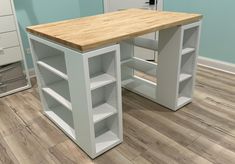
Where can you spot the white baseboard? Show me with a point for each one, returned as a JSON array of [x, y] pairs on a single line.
[[217, 65]]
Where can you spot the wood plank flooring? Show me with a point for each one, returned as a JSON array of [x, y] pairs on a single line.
[[202, 132]]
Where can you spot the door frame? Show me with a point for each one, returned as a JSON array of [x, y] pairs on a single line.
[[106, 5]]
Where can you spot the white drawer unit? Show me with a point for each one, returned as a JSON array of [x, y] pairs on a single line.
[[10, 55], [5, 7], [7, 23], [11, 50], [9, 39]]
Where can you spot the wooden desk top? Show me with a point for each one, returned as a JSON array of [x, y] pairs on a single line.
[[96, 31]]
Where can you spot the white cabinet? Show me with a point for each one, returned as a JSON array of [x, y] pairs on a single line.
[[11, 50], [5, 7], [81, 93]]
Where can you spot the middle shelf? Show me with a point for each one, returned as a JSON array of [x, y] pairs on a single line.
[[60, 92], [101, 80]]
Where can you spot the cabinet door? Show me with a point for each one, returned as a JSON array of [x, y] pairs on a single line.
[[5, 7]]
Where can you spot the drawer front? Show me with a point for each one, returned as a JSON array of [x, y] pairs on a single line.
[[10, 72], [7, 23], [5, 7], [9, 39], [10, 55]]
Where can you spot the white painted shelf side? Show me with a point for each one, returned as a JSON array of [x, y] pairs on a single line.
[[56, 114], [101, 80], [106, 140], [146, 43], [102, 112], [184, 76], [141, 65], [60, 92], [187, 50], [183, 100], [55, 64]]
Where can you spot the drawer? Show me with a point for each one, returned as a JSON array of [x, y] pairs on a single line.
[[11, 85], [5, 7], [9, 39], [10, 55], [7, 23], [10, 72]]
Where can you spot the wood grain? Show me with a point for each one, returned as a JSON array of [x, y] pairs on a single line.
[[97, 31], [200, 133]]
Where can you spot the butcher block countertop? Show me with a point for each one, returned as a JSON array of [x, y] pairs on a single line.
[[97, 31]]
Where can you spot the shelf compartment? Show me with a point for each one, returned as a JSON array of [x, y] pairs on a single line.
[[146, 43], [102, 65], [55, 64], [141, 86], [190, 37], [101, 80], [184, 76], [185, 92], [60, 92], [106, 133], [141, 65], [63, 118], [105, 141], [187, 51], [183, 101], [102, 112]]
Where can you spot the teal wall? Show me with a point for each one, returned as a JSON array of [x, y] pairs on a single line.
[[30, 12], [218, 29], [91, 7], [217, 39]]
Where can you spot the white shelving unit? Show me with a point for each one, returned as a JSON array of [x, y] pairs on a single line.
[[174, 70], [81, 93]]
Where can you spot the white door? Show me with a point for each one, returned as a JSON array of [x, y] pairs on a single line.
[[114, 5]]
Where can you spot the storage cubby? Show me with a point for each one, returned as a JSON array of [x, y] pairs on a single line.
[[55, 86], [190, 37], [185, 92], [106, 133], [60, 115], [102, 70], [104, 102], [51, 59]]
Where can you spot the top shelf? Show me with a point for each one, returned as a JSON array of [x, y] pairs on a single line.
[[55, 64], [101, 80]]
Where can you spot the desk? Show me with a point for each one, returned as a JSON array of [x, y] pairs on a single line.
[[81, 65]]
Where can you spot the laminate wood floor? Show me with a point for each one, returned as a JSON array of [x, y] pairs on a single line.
[[201, 132]]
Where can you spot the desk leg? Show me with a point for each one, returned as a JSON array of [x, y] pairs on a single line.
[[178, 51]]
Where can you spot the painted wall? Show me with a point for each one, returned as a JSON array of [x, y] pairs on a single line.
[[217, 41], [31, 12], [218, 35], [91, 7]]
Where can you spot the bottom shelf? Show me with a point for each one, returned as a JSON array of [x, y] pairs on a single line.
[[141, 86], [63, 118], [183, 101], [105, 141]]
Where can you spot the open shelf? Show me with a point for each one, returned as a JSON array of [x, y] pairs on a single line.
[[187, 51], [102, 112], [63, 118], [101, 80], [184, 76], [183, 101], [105, 141], [141, 86], [60, 92], [146, 43], [55, 64], [141, 65]]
